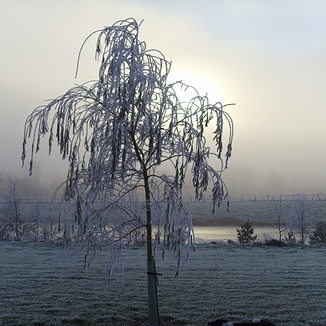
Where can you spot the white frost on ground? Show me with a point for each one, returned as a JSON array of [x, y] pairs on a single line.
[[43, 285]]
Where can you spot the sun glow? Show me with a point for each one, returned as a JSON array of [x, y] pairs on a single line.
[[205, 85]]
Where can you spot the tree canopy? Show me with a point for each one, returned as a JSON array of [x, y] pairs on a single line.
[[128, 133]]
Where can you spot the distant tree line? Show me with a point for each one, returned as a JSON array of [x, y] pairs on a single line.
[[278, 197], [46, 221], [297, 231]]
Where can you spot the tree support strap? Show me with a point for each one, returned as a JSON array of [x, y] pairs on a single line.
[[155, 273]]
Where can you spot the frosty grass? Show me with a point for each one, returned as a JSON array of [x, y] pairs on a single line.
[[42, 284]]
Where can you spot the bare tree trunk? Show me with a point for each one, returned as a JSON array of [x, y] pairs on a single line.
[[153, 312], [37, 220], [302, 235], [59, 226], [16, 217], [279, 220]]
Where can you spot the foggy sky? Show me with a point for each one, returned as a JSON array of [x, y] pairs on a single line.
[[268, 57]]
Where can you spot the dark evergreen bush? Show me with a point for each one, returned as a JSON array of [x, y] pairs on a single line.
[[274, 242], [319, 234], [245, 233]]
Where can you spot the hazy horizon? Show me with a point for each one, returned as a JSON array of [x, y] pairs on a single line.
[[267, 57]]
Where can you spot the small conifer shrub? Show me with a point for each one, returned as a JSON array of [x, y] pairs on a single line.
[[246, 233]]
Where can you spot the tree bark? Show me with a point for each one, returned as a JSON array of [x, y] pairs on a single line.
[[153, 312]]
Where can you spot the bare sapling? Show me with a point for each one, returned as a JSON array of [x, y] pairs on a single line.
[[279, 213], [300, 219], [37, 221], [11, 221]]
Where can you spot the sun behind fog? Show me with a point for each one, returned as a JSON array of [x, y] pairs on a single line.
[[205, 85]]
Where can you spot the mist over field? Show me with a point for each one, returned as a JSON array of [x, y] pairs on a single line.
[[162, 204], [267, 58]]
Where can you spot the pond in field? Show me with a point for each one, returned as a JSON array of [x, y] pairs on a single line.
[[210, 233]]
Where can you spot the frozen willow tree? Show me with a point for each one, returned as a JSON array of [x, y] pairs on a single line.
[[121, 134]]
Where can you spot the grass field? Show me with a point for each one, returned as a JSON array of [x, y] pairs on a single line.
[[42, 284]]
